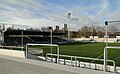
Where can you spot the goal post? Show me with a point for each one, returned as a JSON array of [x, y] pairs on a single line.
[[49, 45]]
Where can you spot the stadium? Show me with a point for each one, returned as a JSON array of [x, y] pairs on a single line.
[[59, 37], [50, 46]]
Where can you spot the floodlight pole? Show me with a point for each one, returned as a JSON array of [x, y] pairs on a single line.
[[106, 23], [22, 39], [69, 20], [105, 50], [69, 16], [51, 39]]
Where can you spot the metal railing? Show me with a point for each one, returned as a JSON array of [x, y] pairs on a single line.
[[106, 56], [75, 61], [54, 45]]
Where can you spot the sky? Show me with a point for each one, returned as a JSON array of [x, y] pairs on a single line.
[[39, 13]]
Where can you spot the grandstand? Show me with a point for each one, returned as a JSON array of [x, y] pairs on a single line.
[[13, 37]]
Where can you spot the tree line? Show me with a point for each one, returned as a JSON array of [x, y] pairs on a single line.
[[87, 31]]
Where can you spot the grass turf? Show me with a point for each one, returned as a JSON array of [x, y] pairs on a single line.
[[92, 50]]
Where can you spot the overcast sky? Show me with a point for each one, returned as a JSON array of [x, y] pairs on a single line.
[[38, 13]]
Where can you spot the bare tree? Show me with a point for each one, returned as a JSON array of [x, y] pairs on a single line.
[[85, 31], [112, 29], [100, 34]]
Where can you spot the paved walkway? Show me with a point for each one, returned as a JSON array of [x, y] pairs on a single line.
[[12, 65]]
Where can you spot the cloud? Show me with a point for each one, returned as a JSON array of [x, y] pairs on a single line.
[[38, 13], [29, 12], [24, 4], [105, 5], [33, 22], [108, 12]]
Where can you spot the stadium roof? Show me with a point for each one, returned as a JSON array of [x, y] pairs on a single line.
[[30, 32]]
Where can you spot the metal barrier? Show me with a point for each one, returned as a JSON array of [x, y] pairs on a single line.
[[76, 62], [31, 44], [106, 56]]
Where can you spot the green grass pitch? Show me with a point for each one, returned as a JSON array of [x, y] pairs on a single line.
[[92, 50]]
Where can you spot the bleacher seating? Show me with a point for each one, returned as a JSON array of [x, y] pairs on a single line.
[[13, 37], [17, 41]]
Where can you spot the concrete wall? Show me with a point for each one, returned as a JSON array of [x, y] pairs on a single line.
[[14, 53], [97, 39]]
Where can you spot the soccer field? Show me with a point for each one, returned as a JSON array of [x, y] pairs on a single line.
[[92, 50]]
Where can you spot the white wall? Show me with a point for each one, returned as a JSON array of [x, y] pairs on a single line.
[[97, 39], [118, 37], [14, 53]]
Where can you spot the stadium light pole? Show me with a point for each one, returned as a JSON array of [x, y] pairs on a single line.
[[51, 39], [105, 49], [22, 38], [69, 17], [69, 20], [106, 23]]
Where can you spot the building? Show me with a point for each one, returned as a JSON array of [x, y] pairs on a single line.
[[65, 27], [57, 29]]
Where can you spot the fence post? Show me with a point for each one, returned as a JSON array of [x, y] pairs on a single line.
[[51, 60], [64, 61], [79, 63], [75, 62], [95, 66], [71, 61], [90, 65], [114, 66]]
